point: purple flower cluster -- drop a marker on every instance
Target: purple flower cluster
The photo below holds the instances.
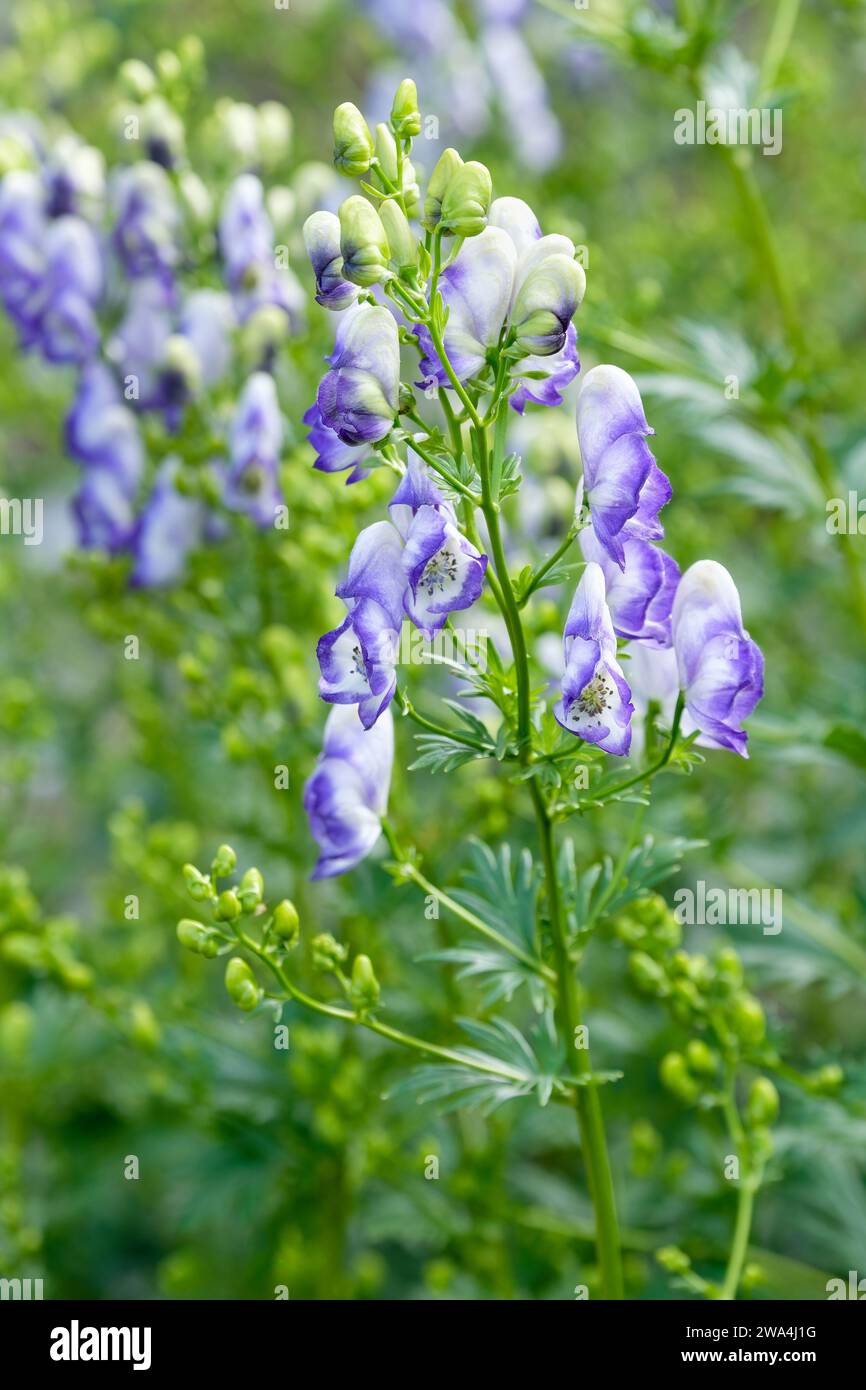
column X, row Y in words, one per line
column 683, row 633
column 511, row 283
column 69, row 254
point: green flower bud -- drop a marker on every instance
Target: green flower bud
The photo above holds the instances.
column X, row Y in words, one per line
column 353, row 143
column 198, row 885
column 363, row 242
column 686, row 999
column 365, row 986
column 275, row 132
column 402, row 244
column 197, row 938
column 674, row 1260
column 747, row 1020
column 826, row 1081
column 762, row 1106
column 251, row 891
column 446, row 167
column 328, row 954
column 17, row 1025
column 647, row 974
column 228, row 908
column 137, row 79
column 406, row 400
column 286, row 924
column 675, row 1076
column 224, row 862
column 626, row 928
column 753, row 1276
column 467, row 201
column 405, row 116
column 701, row 1059
column 241, row 985
column 144, row 1028
column 729, row 970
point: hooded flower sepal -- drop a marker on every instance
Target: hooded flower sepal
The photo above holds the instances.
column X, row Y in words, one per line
column 347, row 794
column 322, row 240
column 596, row 700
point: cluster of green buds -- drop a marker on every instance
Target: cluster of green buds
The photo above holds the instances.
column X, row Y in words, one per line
column 32, row 942
column 376, row 241
column 236, row 912
column 361, row 987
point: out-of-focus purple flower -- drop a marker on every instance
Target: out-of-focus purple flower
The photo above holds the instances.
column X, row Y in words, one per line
column 146, row 221
column 358, row 397
column 625, row 487
column 721, row 669
column 206, row 321
column 101, row 432
column 641, row 595
column 445, row 573
column 252, row 482
column 103, row 511
column 332, row 455
column 169, row 527
column 22, row 258
column 521, row 93
column 73, row 176
column 596, row 701
column 246, row 241
column 510, row 276
column 346, row 796
column 68, row 331
column 358, row 659
column 322, row 240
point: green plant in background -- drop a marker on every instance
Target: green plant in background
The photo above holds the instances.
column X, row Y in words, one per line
column 194, row 740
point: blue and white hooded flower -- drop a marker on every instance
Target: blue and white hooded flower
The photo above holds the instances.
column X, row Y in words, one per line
column 596, row 701
column 346, row 796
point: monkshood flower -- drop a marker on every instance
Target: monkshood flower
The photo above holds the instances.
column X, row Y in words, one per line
column 346, row 796
column 625, row 488
column 22, row 260
column 358, row 397
column 596, row 701
column 640, row 596
column 73, row 176
column 246, row 242
column 721, row 669
column 71, row 289
column 444, row 571
column 511, row 277
column 101, row 432
column 363, row 243
column 103, row 511
column 332, row 455
column 147, row 221
column 358, row 659
column 169, row 527
column 653, row 679
column 322, row 240
column 256, row 439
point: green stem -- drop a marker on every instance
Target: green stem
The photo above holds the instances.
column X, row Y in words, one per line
column 662, row 762
column 587, row 1100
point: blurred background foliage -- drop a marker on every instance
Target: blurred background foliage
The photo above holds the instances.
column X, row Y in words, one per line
column 260, row 1167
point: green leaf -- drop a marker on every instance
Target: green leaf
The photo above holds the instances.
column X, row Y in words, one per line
column 849, row 741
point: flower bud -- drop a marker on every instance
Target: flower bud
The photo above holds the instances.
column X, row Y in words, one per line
column 675, row 1075
column 365, row 986
column 241, row 985
column 826, row 1081
column 180, row 363
column 286, row 924
column 198, row 885
column 322, row 240
column 363, row 243
column 647, row 974
column 228, row 908
column 674, row 1260
column 762, row 1106
column 403, row 246
column 353, row 143
column 729, row 970
column 251, row 891
column 328, row 954
column 405, row 116
column 467, row 201
column 446, row 167
column 197, row 938
column 747, row 1020
column 700, row 1058
column 137, row 79
column 546, row 303
column 224, row 862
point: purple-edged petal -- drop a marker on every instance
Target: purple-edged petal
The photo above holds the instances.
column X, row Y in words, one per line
column 332, row 455
column 543, row 379
column 720, row 668
column 445, row 572
column 376, row 571
column 596, row 700
column 641, row 595
column 347, row 793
